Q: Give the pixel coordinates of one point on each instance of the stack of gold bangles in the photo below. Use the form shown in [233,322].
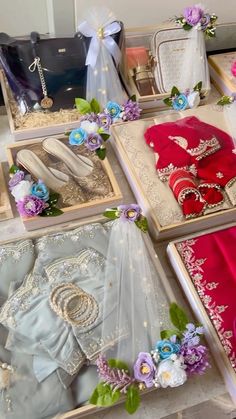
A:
[74,305]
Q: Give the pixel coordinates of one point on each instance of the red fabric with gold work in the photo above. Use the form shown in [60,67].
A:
[210,260]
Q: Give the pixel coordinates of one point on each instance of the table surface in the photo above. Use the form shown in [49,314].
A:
[160,403]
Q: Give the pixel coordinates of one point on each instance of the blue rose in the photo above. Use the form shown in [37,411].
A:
[166,348]
[113,109]
[77,136]
[180,102]
[40,190]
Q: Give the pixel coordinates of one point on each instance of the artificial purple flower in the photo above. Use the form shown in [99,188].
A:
[130,212]
[144,369]
[191,335]
[195,359]
[93,142]
[17,178]
[91,117]
[205,20]
[131,111]
[30,206]
[193,15]
[104,120]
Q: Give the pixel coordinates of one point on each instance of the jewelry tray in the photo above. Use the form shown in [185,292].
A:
[203,305]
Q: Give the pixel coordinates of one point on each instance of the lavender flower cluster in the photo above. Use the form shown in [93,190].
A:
[31,198]
[94,128]
[196,17]
[169,364]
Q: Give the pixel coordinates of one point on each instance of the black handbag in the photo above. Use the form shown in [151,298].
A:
[46,73]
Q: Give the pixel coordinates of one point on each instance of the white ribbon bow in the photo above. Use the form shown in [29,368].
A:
[102,36]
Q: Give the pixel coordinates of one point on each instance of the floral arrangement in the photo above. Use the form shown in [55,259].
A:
[94,126]
[196,17]
[226,100]
[177,356]
[32,198]
[181,101]
[131,213]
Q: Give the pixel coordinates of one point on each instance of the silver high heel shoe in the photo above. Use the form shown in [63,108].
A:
[77,165]
[55,180]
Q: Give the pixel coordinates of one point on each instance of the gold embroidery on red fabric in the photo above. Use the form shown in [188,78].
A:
[196,272]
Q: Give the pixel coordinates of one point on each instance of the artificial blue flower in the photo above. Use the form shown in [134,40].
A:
[113,109]
[167,348]
[77,136]
[40,190]
[180,102]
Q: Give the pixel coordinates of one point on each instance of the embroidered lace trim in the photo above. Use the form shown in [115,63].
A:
[204,148]
[196,272]
[15,251]
[165,172]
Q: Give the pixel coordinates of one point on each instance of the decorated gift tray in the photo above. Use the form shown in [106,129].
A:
[63,244]
[5,205]
[138,160]
[205,266]
[79,187]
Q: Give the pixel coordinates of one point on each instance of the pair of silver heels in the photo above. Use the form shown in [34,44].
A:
[77,165]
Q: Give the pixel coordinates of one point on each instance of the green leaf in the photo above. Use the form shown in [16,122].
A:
[110,214]
[103,395]
[142,223]
[166,334]
[175,91]
[132,399]
[178,317]
[116,363]
[101,153]
[13,169]
[67,133]
[82,105]
[53,199]
[51,212]
[187,27]
[168,101]
[104,136]
[198,87]
[95,106]
[133,98]
[225,100]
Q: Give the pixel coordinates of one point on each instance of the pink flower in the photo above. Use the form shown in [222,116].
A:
[30,206]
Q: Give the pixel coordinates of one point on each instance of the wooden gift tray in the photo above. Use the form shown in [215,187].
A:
[87,209]
[143,36]
[200,312]
[166,289]
[155,197]
[34,132]
[5,206]
[220,71]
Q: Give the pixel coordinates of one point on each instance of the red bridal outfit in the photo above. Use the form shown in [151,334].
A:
[211,264]
[205,155]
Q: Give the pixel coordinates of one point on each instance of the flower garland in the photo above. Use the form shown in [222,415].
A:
[94,126]
[32,198]
[131,213]
[196,17]
[181,101]
[175,357]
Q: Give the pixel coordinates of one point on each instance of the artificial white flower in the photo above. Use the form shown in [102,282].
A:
[170,373]
[21,190]
[89,127]
[193,100]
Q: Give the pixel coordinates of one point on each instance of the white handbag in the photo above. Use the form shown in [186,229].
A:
[180,57]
